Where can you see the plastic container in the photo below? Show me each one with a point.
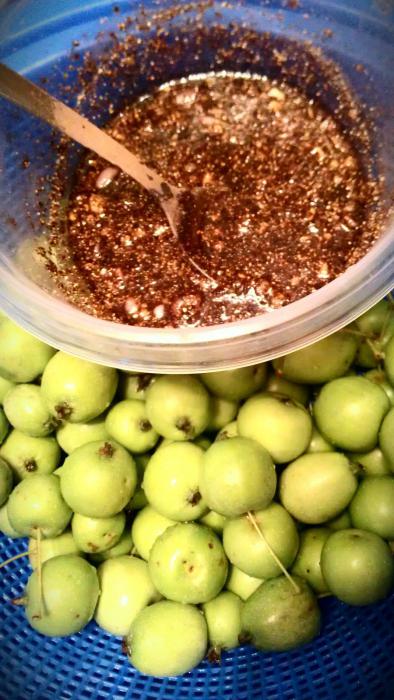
(35, 38)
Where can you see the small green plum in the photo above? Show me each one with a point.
(134, 386)
(147, 526)
(223, 617)
(372, 463)
(242, 584)
(248, 549)
(341, 522)
(357, 566)
(238, 475)
(97, 534)
(172, 481)
(187, 563)
(52, 547)
(37, 504)
(236, 384)
(307, 561)
(27, 455)
(278, 424)
(124, 546)
(379, 377)
(4, 426)
(127, 422)
(167, 639)
(125, 589)
(229, 431)
(5, 386)
(5, 525)
(320, 362)
(6, 481)
(77, 390)
(178, 406)
(22, 357)
(349, 412)
(277, 617)
(318, 443)
(139, 499)
(372, 507)
(70, 436)
(222, 412)
(98, 479)
(70, 592)
(317, 487)
(213, 520)
(377, 326)
(386, 438)
(27, 411)
(277, 384)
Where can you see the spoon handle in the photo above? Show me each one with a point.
(34, 99)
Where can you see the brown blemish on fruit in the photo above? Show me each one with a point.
(107, 450)
(63, 411)
(30, 465)
(194, 498)
(185, 426)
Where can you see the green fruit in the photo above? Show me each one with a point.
(372, 463)
(223, 617)
(317, 487)
(229, 431)
(187, 563)
(178, 407)
(28, 455)
(134, 386)
(70, 591)
(124, 546)
(77, 390)
(127, 422)
(357, 566)
(238, 475)
(318, 443)
(341, 522)
(277, 384)
(377, 376)
(278, 424)
(278, 618)
(22, 357)
(222, 412)
(97, 534)
(5, 481)
(242, 584)
(5, 386)
(372, 507)
(377, 325)
(307, 562)
(98, 479)
(389, 360)
(37, 504)
(167, 639)
(247, 548)
(70, 436)
(203, 441)
(320, 362)
(139, 499)
(349, 412)
(386, 438)
(27, 411)
(4, 426)
(5, 525)
(147, 526)
(51, 547)
(125, 589)
(214, 520)
(236, 384)
(172, 481)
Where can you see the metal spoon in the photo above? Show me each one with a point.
(34, 99)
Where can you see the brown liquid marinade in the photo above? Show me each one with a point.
(288, 199)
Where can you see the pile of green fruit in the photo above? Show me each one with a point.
(191, 514)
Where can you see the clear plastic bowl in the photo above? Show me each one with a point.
(35, 39)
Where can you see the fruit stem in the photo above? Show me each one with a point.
(17, 556)
(256, 526)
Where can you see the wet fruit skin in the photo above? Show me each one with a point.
(37, 504)
(307, 562)
(97, 534)
(320, 362)
(277, 618)
(223, 616)
(70, 592)
(187, 563)
(372, 507)
(236, 384)
(22, 357)
(5, 481)
(27, 455)
(178, 406)
(167, 639)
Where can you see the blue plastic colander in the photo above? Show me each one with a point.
(353, 659)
